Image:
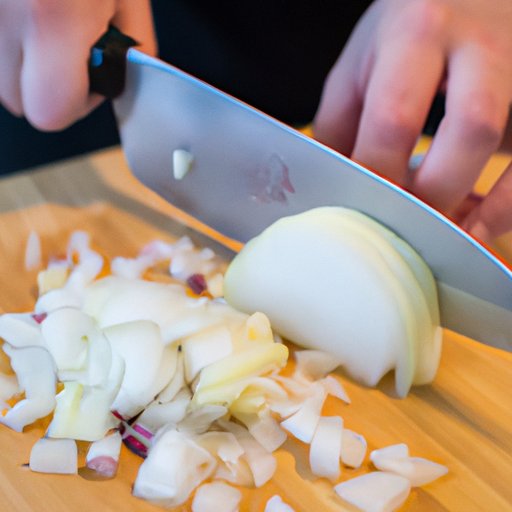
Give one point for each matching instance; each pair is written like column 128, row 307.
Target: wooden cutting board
column 463, row 420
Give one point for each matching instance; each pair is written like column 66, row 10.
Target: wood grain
column 463, row 420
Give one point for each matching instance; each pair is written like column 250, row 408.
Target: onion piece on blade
column 33, row 251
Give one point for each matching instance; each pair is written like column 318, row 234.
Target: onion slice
column 276, row 504
column 353, row 448
column 54, row 456
column 103, row 455
column 216, row 497
column 325, row 447
column 377, row 491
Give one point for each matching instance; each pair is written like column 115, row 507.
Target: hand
column 44, row 52
column 378, row 94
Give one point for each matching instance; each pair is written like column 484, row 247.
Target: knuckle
column 481, row 123
column 426, row 19
column 394, row 125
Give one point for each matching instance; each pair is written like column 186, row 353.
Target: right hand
column 44, row 52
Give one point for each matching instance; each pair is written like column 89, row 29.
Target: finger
column 54, row 77
column 337, row 118
column 10, row 69
column 476, row 112
column 493, row 216
column 136, row 20
column 405, row 78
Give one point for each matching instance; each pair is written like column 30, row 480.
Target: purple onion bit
column 197, row 283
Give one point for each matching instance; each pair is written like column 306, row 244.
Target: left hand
column 378, row 94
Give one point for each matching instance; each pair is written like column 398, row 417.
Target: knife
column 250, row 170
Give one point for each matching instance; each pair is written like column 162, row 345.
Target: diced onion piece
column 175, row 466
column 103, row 455
column 417, row 470
column 200, row 420
column 204, row 348
column 276, row 504
column 314, row 364
column 262, row 463
column 131, row 268
column 394, row 451
column 157, row 414
column 57, row 299
column 334, row 388
column 216, row 285
column 326, row 446
column 35, row 370
column 375, row 492
column 20, row 330
column 33, row 251
column 353, row 448
column 149, row 364
column 303, row 423
column 54, row 456
column 264, row 428
column 182, row 161
column 176, row 383
column 223, row 445
column 257, row 359
column 65, row 332
column 216, row 497
column 53, row 277
column 82, row 413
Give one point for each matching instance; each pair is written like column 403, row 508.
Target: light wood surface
column 463, row 420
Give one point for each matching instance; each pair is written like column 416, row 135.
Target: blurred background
column 273, row 54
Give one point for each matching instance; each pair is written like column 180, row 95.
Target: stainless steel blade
column 249, row 170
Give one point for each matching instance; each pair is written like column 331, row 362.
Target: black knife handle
column 107, row 63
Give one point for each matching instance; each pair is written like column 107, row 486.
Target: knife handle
column 107, row 63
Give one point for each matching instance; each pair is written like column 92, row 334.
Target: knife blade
column 250, row 170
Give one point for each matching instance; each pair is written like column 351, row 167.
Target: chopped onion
column 54, row 456
column 20, row 330
column 35, row 370
column 353, row 448
column 394, row 451
column 199, row 420
column 103, row 455
column 325, row 447
column 302, row 424
column 182, row 161
column 33, row 251
column 65, row 332
column 334, row 388
column 216, row 497
column 417, row 470
column 175, row 466
column 157, row 414
column 264, row 428
column 262, row 463
column 377, row 491
column 223, row 445
column 204, row 348
column 57, row 299
column 314, row 364
column 276, row 504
